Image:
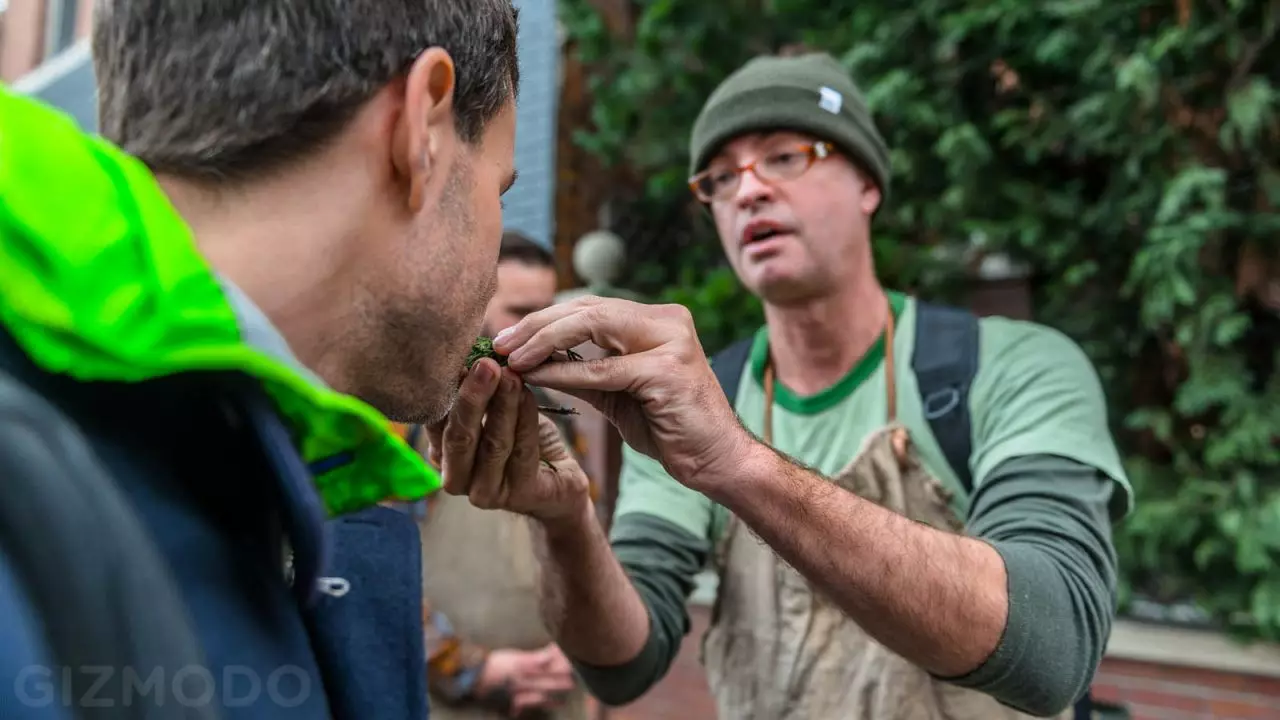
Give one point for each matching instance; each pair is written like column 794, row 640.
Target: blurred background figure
column 526, row 282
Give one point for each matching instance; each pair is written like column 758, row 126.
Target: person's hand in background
column 530, row 679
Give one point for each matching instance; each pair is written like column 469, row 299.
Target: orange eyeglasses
column 720, row 182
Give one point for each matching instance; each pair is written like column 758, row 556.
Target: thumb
column 543, row 655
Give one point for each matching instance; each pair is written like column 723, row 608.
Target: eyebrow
column 510, row 181
column 769, row 140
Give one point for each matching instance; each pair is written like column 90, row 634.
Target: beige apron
column 778, row 651
column 479, row 569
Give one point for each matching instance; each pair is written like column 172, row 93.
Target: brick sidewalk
column 1150, row 692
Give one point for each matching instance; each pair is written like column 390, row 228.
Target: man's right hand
column 496, row 449
column 531, row 679
column 656, row 386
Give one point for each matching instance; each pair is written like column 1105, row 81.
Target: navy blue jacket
column 289, row 615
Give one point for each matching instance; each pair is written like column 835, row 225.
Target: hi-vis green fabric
column 100, row 280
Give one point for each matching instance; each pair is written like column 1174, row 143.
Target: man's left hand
column 496, row 449
column 656, row 388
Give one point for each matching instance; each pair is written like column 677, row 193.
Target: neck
column 285, row 249
column 813, row 345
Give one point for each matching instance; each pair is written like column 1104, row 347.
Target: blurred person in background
column 290, row 222
column 527, row 282
column 909, row 508
column 490, row 654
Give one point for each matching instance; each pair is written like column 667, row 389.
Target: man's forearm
column 588, row 604
column 938, row 599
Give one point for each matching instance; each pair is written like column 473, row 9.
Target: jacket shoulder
column 107, row 604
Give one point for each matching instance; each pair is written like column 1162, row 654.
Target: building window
column 60, row 25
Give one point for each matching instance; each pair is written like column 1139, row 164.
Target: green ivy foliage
column 1126, row 151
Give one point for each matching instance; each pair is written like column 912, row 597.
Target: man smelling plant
column 490, row 656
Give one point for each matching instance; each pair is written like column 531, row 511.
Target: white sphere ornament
column 599, row 258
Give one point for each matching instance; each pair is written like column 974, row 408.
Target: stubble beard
column 427, row 333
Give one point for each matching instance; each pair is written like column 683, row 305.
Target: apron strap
column 768, row 402
column 889, row 375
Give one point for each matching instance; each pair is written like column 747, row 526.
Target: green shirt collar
column 828, row 398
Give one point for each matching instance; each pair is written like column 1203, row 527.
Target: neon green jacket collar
column 100, row 280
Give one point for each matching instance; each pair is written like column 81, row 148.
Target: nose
column 752, row 190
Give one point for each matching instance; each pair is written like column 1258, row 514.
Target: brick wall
column 1148, row 690
column 683, row 693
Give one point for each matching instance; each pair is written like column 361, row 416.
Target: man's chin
column 415, row 409
column 778, row 288
column 449, row 401
column 440, row 410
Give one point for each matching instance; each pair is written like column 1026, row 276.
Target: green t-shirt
column 1035, row 393
column 1048, row 484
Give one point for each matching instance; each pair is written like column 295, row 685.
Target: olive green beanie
column 808, row 93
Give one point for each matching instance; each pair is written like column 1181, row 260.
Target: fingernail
column 503, row 335
column 484, row 371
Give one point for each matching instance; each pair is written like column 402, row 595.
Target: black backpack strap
column 945, row 361
column 728, row 365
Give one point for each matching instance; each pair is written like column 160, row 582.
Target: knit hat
column 808, row 93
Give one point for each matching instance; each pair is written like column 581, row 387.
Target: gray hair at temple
column 225, row 90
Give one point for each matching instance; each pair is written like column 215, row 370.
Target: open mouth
column 763, row 234
column 759, row 232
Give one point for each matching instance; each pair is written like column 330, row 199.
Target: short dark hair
column 521, row 248
column 219, row 90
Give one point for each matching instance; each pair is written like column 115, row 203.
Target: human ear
column 426, row 125
column 869, row 200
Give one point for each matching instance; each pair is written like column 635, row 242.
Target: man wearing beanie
column 908, row 508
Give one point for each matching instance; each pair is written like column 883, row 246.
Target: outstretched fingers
column 584, row 378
